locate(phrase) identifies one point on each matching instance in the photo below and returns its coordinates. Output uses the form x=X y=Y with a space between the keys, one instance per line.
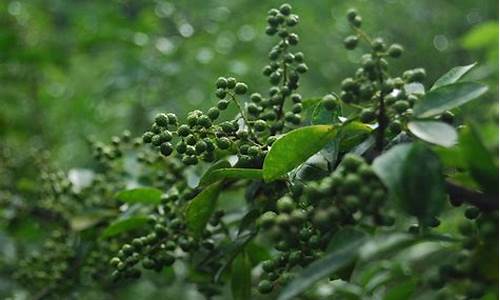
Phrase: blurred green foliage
x=70 y=69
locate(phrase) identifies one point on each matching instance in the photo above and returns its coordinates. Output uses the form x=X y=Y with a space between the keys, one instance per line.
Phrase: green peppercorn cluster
x=382 y=98
x=303 y=221
x=467 y=267
x=48 y=266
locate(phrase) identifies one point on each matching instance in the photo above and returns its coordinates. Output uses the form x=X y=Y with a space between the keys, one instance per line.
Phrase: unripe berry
x=240 y=88
x=222 y=104
x=166 y=148
x=183 y=130
x=285 y=9
x=351 y=14
x=293 y=39
x=401 y=106
x=367 y=116
x=471 y=213
x=161 y=120
x=285 y=204
x=395 y=50
x=231 y=82
x=395 y=127
x=329 y=102
x=220 y=93
x=260 y=125
x=302 y=68
x=351 y=42
x=265 y=287
x=223 y=143
x=378 y=45
x=221 y=83
x=256 y=98
x=267 y=220
x=147 y=137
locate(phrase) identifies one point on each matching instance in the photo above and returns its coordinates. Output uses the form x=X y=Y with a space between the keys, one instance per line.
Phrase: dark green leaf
x=421 y=191
x=294 y=148
x=140 y=195
x=231 y=250
x=388 y=165
x=481 y=163
x=241 y=277
x=448 y=97
x=124 y=225
x=403 y=290
x=200 y=209
x=321 y=268
x=235 y=173
x=452 y=75
x=434 y=132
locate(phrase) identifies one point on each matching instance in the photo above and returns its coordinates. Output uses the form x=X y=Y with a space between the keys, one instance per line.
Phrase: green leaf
x=330 y=263
x=404 y=290
x=388 y=165
x=140 y=195
x=236 y=173
x=413 y=175
x=448 y=97
x=200 y=209
x=481 y=163
x=221 y=164
x=321 y=115
x=310 y=102
x=434 y=132
x=352 y=134
x=124 y=225
x=421 y=191
x=294 y=148
x=452 y=75
x=241 y=277
x=89 y=219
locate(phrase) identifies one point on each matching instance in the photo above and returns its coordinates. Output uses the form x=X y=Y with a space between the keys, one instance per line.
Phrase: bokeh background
x=72 y=69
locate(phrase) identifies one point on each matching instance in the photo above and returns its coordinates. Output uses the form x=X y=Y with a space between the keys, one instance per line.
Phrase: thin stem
x=243 y=115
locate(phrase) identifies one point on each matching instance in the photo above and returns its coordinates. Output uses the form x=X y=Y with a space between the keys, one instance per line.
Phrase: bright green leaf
x=452 y=75
x=353 y=134
x=448 y=97
x=434 y=132
x=321 y=115
x=140 y=195
x=235 y=173
x=200 y=209
x=241 y=277
x=294 y=148
x=221 y=164
x=124 y=225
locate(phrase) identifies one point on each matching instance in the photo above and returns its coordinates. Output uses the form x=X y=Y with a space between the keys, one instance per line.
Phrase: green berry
x=378 y=45
x=395 y=50
x=213 y=113
x=200 y=147
x=222 y=104
x=256 y=98
x=161 y=120
x=471 y=213
x=221 y=83
x=147 y=137
x=220 y=93
x=265 y=287
x=351 y=42
x=329 y=102
x=367 y=116
x=267 y=220
x=285 y=9
x=166 y=149
x=302 y=68
x=351 y=14
x=285 y=204
x=223 y=143
x=183 y=130
x=260 y=125
x=231 y=82
x=401 y=106
x=240 y=88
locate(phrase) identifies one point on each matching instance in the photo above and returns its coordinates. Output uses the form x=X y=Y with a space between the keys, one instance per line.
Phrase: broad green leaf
x=421 y=189
x=140 y=195
x=481 y=163
x=448 y=97
x=352 y=134
x=388 y=165
x=221 y=164
x=413 y=174
x=403 y=290
x=235 y=173
x=241 y=277
x=294 y=148
x=231 y=250
x=330 y=263
x=201 y=207
x=344 y=237
x=453 y=75
x=310 y=102
x=451 y=157
x=481 y=36
x=124 y=225
x=434 y=132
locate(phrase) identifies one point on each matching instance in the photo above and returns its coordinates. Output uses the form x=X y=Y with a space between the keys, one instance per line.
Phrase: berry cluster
x=302 y=222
